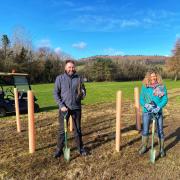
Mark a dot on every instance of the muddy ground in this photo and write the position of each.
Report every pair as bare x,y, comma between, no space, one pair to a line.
98,126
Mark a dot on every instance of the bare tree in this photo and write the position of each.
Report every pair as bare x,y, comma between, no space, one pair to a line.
62,55
21,39
173,64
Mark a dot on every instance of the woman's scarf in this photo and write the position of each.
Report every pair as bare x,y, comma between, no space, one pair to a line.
158,90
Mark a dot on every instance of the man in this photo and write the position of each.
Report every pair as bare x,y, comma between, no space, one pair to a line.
68,92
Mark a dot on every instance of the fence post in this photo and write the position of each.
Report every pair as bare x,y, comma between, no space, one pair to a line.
70,124
137,108
118,120
31,125
17,110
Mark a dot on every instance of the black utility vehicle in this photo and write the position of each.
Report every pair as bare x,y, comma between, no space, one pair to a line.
9,81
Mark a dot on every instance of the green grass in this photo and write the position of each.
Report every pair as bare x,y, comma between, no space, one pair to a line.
177,99
96,91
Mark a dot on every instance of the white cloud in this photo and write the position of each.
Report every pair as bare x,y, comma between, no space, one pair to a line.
160,14
79,45
101,23
112,52
58,50
97,18
44,43
129,23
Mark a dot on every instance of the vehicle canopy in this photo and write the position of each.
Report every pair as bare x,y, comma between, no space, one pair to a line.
18,80
8,81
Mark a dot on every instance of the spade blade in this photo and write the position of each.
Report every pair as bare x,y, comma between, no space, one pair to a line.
66,152
152,155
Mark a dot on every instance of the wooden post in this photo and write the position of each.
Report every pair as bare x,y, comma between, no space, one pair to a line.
70,124
17,110
137,108
118,120
31,122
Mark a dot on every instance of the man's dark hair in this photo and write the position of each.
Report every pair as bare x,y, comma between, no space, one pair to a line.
69,61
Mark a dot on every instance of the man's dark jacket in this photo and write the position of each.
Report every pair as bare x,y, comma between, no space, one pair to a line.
66,91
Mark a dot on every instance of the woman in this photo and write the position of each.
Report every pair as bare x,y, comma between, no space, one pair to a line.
153,98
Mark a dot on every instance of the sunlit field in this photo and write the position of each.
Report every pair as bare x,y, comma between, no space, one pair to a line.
96,91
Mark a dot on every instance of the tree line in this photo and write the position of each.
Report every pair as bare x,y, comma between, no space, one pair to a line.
43,64
112,69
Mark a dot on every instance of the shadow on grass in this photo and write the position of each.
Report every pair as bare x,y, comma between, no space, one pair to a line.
99,139
45,147
103,138
43,109
175,135
97,130
48,108
88,125
106,137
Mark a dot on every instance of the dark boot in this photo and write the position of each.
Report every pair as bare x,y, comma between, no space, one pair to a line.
161,148
57,153
144,144
83,152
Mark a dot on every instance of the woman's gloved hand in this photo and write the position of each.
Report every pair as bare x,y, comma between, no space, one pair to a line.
156,110
149,107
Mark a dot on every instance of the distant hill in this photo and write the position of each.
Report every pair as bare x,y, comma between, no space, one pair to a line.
120,68
148,59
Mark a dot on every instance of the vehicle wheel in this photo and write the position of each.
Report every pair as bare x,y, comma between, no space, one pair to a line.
2,112
36,107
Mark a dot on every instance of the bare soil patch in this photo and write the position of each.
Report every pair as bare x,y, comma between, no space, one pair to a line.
98,126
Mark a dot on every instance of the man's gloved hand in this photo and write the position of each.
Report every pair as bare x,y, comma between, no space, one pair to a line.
156,110
64,109
149,107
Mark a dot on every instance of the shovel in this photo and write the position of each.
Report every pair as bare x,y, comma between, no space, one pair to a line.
66,150
153,151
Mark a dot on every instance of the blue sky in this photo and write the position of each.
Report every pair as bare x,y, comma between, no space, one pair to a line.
84,28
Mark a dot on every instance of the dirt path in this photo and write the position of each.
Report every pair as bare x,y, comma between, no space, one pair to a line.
98,134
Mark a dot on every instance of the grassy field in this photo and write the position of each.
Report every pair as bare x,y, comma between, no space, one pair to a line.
96,92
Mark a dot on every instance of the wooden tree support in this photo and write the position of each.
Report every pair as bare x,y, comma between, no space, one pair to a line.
118,120
70,124
137,108
31,125
17,110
